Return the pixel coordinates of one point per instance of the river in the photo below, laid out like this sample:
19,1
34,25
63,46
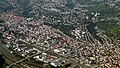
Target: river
6,53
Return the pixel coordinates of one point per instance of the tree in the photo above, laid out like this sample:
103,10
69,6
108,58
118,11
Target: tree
2,60
2,21
1,34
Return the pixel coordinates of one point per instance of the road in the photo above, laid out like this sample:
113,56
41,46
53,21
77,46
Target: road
48,51
22,60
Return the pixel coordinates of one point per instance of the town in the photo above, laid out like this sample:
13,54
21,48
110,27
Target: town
36,39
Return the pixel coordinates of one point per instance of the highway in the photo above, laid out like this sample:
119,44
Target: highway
22,60
48,51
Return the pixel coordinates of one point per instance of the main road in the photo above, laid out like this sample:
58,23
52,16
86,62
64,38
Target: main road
48,51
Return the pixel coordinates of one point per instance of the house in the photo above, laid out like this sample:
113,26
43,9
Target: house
55,63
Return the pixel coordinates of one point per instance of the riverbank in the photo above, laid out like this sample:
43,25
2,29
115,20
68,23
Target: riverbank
12,58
